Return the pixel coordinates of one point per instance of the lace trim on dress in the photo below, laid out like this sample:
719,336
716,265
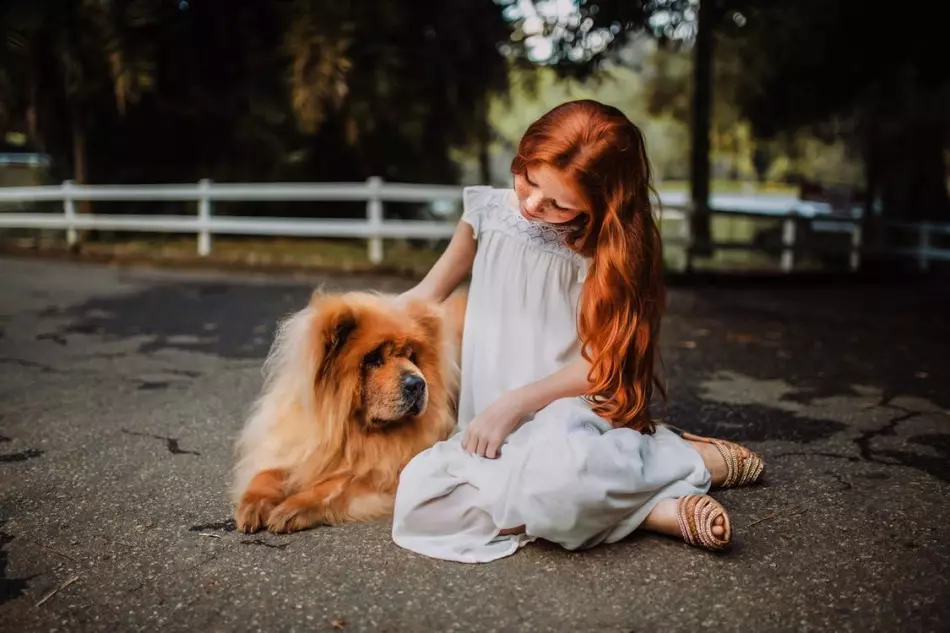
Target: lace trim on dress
501,216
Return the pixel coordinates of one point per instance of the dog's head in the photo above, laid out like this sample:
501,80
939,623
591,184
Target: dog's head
377,361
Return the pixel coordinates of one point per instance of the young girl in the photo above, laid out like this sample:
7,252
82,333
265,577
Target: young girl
554,438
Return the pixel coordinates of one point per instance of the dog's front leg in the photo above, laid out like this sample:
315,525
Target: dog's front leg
332,501
307,507
263,494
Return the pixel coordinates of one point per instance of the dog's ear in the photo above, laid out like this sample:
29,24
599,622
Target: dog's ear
337,327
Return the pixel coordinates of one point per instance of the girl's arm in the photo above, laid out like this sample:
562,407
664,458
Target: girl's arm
568,382
450,270
487,431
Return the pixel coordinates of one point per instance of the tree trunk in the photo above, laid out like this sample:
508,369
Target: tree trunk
906,176
80,167
700,129
79,151
484,141
484,162
32,114
913,187
872,235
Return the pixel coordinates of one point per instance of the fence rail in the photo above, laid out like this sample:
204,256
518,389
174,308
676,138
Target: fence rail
375,192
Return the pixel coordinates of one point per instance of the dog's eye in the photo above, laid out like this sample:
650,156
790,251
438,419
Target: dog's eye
373,359
413,358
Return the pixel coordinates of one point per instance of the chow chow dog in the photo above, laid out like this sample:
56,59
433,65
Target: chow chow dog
355,386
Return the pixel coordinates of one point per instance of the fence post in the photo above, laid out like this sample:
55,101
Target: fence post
69,211
374,215
854,260
923,246
788,244
204,217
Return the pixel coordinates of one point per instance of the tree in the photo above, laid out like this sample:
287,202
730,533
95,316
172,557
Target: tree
669,79
830,67
158,91
427,67
580,44
61,57
535,91
869,77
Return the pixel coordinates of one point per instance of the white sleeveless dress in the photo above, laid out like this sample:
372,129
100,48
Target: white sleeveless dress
566,474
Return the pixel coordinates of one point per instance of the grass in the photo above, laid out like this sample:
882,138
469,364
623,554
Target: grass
732,186
344,256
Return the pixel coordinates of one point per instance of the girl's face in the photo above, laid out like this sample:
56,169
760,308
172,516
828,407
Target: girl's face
543,196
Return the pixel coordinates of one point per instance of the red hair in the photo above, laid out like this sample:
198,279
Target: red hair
602,155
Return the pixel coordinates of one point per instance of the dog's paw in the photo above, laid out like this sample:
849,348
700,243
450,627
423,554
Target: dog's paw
291,516
253,512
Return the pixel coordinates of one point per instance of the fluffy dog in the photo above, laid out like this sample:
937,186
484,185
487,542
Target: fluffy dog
355,386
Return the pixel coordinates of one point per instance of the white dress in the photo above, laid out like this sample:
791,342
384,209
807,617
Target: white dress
566,474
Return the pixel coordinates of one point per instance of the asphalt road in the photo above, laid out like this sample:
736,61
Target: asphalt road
121,393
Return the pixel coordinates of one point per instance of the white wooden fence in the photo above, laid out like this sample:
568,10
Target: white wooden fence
375,229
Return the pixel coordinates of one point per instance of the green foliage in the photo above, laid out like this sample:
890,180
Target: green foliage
667,138
295,90
880,85
791,75
163,91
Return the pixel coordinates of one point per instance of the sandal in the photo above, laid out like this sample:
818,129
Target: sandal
695,515
743,467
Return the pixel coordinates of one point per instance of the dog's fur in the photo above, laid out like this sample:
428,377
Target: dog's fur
355,387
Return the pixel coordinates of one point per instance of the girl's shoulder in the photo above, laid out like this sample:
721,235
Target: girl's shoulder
485,198
484,206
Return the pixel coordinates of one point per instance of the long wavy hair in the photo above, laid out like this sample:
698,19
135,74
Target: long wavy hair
601,154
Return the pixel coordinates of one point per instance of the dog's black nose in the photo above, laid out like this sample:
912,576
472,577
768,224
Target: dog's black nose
413,387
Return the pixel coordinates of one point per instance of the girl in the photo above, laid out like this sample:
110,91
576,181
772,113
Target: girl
554,438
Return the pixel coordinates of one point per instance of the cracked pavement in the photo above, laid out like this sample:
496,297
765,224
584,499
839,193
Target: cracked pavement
122,392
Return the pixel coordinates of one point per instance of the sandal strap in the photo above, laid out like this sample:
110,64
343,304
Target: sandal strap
695,517
742,466
733,458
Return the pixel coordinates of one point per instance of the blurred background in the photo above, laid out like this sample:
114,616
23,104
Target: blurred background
263,148
831,110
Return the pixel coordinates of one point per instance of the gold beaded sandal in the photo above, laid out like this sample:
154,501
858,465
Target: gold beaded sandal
695,515
743,467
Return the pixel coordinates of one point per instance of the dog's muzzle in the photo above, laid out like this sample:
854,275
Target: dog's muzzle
414,393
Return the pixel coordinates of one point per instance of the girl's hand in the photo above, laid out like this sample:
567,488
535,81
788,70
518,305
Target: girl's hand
413,294
486,433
